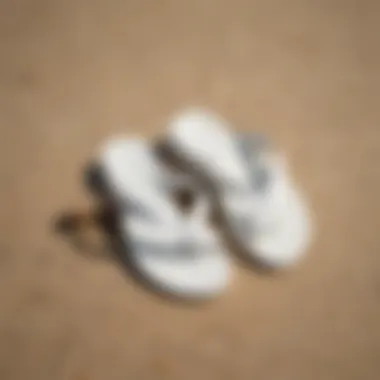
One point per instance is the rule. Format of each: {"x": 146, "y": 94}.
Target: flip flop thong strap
{"x": 179, "y": 250}
{"x": 251, "y": 146}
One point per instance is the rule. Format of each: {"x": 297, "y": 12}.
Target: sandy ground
{"x": 74, "y": 72}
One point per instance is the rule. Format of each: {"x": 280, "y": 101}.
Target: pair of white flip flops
{"x": 182, "y": 253}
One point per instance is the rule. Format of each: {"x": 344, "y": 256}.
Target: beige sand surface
{"x": 73, "y": 72}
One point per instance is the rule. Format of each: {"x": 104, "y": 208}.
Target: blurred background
{"x": 74, "y": 72}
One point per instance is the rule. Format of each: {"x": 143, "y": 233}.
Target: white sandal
{"x": 177, "y": 253}
{"x": 262, "y": 207}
